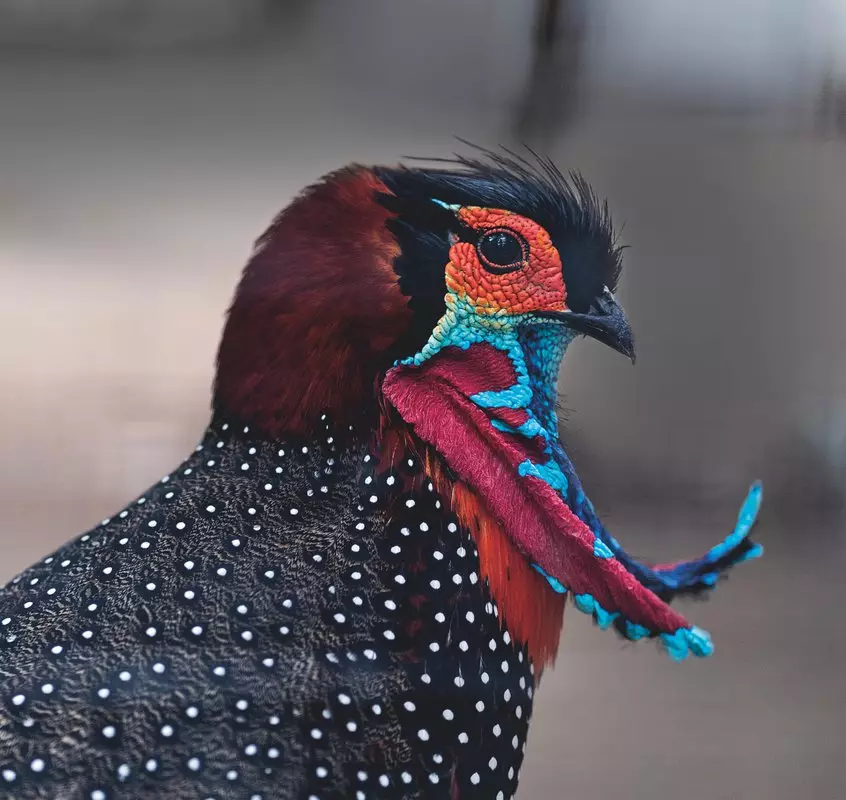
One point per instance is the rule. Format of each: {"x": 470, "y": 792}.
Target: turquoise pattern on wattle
{"x": 536, "y": 349}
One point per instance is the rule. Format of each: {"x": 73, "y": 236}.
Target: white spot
{"x": 475, "y": 778}
{"x": 37, "y": 765}
{"x": 109, "y": 732}
{"x": 463, "y": 738}
{"x": 449, "y": 716}
{"x": 423, "y": 735}
{"x": 167, "y": 731}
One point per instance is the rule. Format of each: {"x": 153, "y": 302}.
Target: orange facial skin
{"x": 538, "y": 285}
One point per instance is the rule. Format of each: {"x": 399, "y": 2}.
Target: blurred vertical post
{"x": 550, "y": 100}
{"x": 831, "y": 109}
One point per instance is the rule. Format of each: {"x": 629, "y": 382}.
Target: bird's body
{"x": 261, "y": 616}
{"x": 353, "y": 585}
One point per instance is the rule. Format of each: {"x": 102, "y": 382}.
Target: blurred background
{"x": 144, "y": 144}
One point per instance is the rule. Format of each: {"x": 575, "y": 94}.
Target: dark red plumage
{"x": 316, "y": 313}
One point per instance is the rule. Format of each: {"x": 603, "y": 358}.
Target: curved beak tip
{"x": 606, "y": 322}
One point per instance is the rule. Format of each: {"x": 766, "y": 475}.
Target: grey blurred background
{"x": 144, "y": 144}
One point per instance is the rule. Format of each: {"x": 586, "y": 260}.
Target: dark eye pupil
{"x": 500, "y": 248}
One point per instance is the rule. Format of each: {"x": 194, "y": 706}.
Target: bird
{"x": 353, "y": 585}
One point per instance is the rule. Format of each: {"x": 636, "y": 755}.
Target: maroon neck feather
{"x": 316, "y": 312}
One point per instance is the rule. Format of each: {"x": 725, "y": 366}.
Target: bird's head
{"x": 361, "y": 269}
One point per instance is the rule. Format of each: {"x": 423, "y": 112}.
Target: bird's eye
{"x": 501, "y": 251}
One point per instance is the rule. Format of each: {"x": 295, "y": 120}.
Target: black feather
{"x": 566, "y": 206}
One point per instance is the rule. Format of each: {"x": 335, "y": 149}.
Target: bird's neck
{"x": 508, "y": 373}
{"x": 534, "y": 349}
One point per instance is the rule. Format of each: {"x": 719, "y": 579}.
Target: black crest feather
{"x": 531, "y": 185}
